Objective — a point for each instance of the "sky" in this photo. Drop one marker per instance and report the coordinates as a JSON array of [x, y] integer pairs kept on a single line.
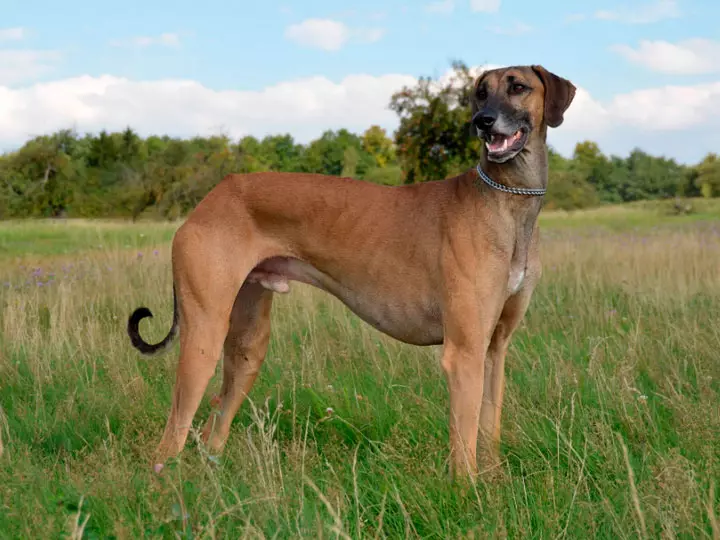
[[647, 71]]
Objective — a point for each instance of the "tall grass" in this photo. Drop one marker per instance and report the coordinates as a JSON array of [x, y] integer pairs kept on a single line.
[[611, 424]]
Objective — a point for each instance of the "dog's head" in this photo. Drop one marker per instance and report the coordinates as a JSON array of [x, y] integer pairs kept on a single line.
[[511, 106]]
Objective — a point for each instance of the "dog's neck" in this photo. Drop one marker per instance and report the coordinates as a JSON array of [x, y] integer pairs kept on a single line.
[[529, 169]]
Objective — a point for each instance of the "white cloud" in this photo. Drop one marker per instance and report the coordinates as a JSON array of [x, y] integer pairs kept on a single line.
[[167, 39], [514, 30], [18, 66], [323, 34], [440, 6], [306, 107], [687, 130], [303, 107], [670, 108], [330, 35], [485, 6], [449, 77], [368, 35], [12, 34], [689, 57], [642, 14]]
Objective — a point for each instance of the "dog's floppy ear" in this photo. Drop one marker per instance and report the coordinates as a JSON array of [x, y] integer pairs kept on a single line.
[[559, 94]]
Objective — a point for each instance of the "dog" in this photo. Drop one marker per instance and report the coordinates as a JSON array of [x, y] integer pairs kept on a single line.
[[451, 262]]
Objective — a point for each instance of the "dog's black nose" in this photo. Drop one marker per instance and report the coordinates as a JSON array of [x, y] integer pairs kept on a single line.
[[485, 119]]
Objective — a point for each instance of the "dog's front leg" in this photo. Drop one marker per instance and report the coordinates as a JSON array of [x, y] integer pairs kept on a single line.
[[468, 330], [464, 366], [494, 387]]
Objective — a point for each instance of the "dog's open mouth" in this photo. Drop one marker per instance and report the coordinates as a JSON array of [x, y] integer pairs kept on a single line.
[[500, 145]]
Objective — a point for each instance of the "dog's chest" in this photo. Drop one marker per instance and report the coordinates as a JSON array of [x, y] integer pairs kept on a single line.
[[516, 277], [518, 262]]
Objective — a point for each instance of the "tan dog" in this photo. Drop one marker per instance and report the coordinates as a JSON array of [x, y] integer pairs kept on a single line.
[[451, 262]]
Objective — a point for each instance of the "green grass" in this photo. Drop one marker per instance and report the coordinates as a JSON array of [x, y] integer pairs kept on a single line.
[[611, 427], [69, 237], [637, 215]]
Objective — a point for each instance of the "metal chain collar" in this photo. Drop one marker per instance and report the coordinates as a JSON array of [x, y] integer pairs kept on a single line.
[[508, 189]]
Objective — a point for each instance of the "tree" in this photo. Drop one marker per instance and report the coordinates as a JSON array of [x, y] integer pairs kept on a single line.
[[592, 165], [281, 153], [568, 190], [708, 176], [326, 155], [131, 145], [651, 177], [434, 137], [249, 155], [376, 143], [104, 150], [350, 162], [37, 176]]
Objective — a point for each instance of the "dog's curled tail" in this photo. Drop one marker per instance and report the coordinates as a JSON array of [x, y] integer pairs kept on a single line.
[[139, 343]]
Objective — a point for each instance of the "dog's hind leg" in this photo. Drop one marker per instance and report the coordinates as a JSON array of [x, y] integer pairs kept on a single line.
[[207, 281], [245, 349]]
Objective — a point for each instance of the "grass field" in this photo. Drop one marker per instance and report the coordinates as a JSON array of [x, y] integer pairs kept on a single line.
[[611, 425]]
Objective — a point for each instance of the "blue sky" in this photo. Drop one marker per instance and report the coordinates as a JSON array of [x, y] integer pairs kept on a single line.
[[235, 51]]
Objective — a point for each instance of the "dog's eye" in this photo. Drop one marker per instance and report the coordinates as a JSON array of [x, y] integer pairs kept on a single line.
[[481, 94], [517, 88]]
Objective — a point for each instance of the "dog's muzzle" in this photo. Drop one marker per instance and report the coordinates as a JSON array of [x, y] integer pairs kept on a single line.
[[503, 139]]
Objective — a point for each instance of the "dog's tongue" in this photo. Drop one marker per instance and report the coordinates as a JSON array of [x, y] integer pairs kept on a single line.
[[500, 143]]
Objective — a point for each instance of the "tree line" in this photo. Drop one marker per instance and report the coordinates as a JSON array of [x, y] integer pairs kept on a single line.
[[121, 174]]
